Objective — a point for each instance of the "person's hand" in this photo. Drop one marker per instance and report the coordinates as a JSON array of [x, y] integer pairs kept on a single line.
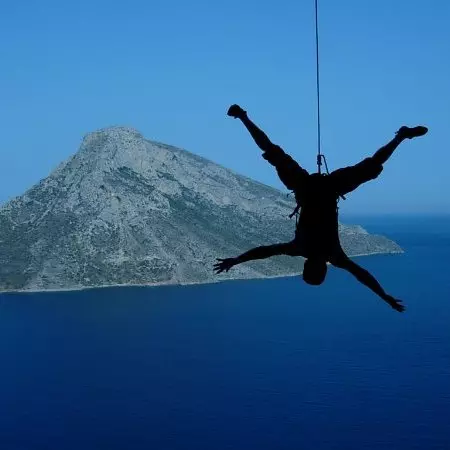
[[236, 111], [224, 264], [395, 303]]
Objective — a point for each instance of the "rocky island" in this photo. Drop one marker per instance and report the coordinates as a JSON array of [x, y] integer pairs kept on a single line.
[[124, 210]]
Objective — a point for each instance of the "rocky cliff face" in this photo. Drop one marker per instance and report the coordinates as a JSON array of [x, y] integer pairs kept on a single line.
[[125, 210]]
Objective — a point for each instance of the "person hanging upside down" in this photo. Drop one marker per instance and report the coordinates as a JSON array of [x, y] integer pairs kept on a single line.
[[316, 235]]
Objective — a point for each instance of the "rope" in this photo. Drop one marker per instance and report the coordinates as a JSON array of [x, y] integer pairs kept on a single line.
[[320, 156], [319, 150]]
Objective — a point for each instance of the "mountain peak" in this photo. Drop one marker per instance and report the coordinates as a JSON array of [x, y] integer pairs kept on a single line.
[[116, 131], [112, 146]]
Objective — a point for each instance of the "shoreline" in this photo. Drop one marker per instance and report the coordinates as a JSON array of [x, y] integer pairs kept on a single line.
[[161, 284]]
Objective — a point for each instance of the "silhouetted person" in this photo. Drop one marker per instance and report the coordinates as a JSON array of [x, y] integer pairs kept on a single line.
[[316, 236]]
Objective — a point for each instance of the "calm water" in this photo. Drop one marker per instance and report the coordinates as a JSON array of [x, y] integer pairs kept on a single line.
[[269, 364]]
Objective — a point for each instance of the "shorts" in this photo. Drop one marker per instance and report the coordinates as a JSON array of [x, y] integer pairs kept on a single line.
[[289, 171], [347, 179]]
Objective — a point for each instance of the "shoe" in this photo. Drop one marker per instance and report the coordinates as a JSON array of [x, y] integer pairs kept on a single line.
[[410, 133], [236, 111]]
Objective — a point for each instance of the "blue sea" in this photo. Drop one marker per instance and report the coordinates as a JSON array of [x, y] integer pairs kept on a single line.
[[264, 364]]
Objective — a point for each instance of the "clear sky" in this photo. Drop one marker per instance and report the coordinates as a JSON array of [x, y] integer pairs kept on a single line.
[[171, 68]]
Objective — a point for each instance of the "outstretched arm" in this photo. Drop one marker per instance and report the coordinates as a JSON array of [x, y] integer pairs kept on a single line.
[[265, 251], [364, 277], [261, 139]]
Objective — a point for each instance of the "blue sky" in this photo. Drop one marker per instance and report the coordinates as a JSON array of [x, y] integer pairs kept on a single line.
[[172, 68]]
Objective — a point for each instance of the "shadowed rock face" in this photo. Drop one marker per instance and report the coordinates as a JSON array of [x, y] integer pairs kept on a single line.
[[125, 210]]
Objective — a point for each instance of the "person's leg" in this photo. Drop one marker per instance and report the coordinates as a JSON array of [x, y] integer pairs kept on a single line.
[[347, 179], [260, 138], [289, 171], [385, 152]]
